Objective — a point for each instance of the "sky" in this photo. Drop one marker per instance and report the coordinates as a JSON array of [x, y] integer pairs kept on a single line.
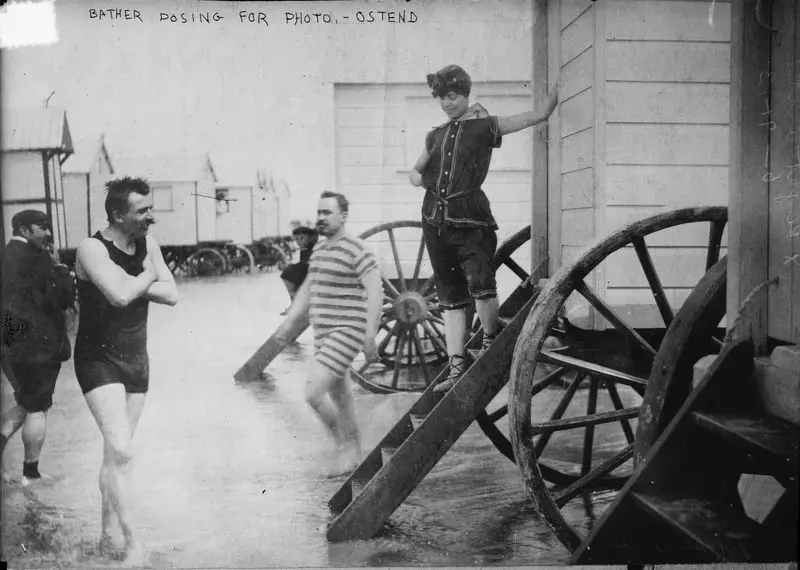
[[252, 95]]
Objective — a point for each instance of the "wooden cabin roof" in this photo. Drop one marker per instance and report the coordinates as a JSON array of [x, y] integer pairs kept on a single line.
[[36, 129], [166, 168], [86, 153]]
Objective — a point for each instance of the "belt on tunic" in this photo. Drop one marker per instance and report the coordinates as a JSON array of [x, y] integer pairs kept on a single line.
[[444, 200]]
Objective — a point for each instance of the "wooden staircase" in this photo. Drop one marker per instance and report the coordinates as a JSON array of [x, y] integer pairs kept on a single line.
[[683, 505], [392, 470]]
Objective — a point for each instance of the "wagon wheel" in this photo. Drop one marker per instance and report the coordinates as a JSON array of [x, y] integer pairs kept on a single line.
[[268, 255], [239, 257], [410, 340], [175, 259], [694, 333], [206, 261], [548, 381]]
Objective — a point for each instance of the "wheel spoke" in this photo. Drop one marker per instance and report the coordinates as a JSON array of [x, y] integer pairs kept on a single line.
[[617, 401], [429, 282], [398, 361], [438, 342], [385, 342], [589, 420], [436, 319], [397, 263], [421, 353], [544, 438], [652, 278], [565, 495], [589, 294], [588, 433], [393, 292], [515, 267], [547, 380], [415, 278], [499, 413], [593, 369], [714, 242]]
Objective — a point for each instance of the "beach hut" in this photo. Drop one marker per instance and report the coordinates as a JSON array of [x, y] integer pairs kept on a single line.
[[35, 142], [84, 176]]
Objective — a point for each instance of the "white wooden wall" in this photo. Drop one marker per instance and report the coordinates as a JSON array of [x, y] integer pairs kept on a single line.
[[236, 224], [643, 129], [23, 180]]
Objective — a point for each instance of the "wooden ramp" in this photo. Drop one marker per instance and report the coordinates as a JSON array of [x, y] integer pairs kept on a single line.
[[255, 365], [683, 504], [423, 435]]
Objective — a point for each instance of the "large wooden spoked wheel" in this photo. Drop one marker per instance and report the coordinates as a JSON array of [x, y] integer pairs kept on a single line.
[[206, 261], [586, 437], [411, 342], [238, 258]]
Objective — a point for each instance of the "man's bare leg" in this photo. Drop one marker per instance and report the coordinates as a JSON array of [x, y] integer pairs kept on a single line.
[[342, 396], [11, 422], [109, 406], [318, 389], [34, 431]]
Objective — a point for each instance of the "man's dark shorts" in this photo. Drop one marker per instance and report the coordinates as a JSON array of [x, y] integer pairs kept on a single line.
[[33, 383], [106, 367], [462, 263]]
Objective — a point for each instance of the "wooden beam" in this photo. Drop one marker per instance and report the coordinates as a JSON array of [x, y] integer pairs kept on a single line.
[[748, 201], [554, 144], [539, 178]]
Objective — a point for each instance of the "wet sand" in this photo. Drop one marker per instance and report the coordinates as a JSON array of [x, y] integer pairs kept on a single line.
[[230, 475]]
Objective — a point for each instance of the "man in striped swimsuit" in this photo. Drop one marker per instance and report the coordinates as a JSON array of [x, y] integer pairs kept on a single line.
[[342, 296]]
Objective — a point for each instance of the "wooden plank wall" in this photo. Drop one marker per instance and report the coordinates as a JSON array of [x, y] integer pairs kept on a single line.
[[783, 322], [666, 104], [573, 32]]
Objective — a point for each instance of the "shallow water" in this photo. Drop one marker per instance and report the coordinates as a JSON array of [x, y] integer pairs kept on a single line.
[[229, 475]]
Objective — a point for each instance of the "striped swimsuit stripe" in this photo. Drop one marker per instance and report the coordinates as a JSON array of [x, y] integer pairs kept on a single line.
[[338, 300]]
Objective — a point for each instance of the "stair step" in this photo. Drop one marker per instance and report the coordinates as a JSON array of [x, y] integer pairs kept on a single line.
[[726, 534], [387, 453], [767, 436], [357, 485], [416, 419], [474, 352]]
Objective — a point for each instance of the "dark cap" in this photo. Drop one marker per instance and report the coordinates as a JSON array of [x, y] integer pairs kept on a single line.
[[450, 78], [303, 230], [28, 217]]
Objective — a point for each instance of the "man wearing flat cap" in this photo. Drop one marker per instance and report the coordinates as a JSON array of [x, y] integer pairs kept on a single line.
[[457, 221], [294, 275], [37, 290]]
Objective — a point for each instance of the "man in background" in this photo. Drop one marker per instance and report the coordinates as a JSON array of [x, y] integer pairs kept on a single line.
[[37, 291], [294, 275]]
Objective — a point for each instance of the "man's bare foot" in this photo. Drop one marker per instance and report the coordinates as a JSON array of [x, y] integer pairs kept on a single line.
[[136, 554], [28, 481], [106, 546], [350, 455]]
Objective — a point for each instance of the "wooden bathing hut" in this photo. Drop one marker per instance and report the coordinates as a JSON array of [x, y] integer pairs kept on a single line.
[[84, 178], [35, 142]]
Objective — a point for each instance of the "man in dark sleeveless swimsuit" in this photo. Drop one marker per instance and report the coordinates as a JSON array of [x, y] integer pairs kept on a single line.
[[120, 271]]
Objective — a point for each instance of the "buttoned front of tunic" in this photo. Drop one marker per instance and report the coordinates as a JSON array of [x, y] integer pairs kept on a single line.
[[459, 155]]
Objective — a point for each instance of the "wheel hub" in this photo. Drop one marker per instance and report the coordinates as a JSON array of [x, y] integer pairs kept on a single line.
[[410, 307]]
